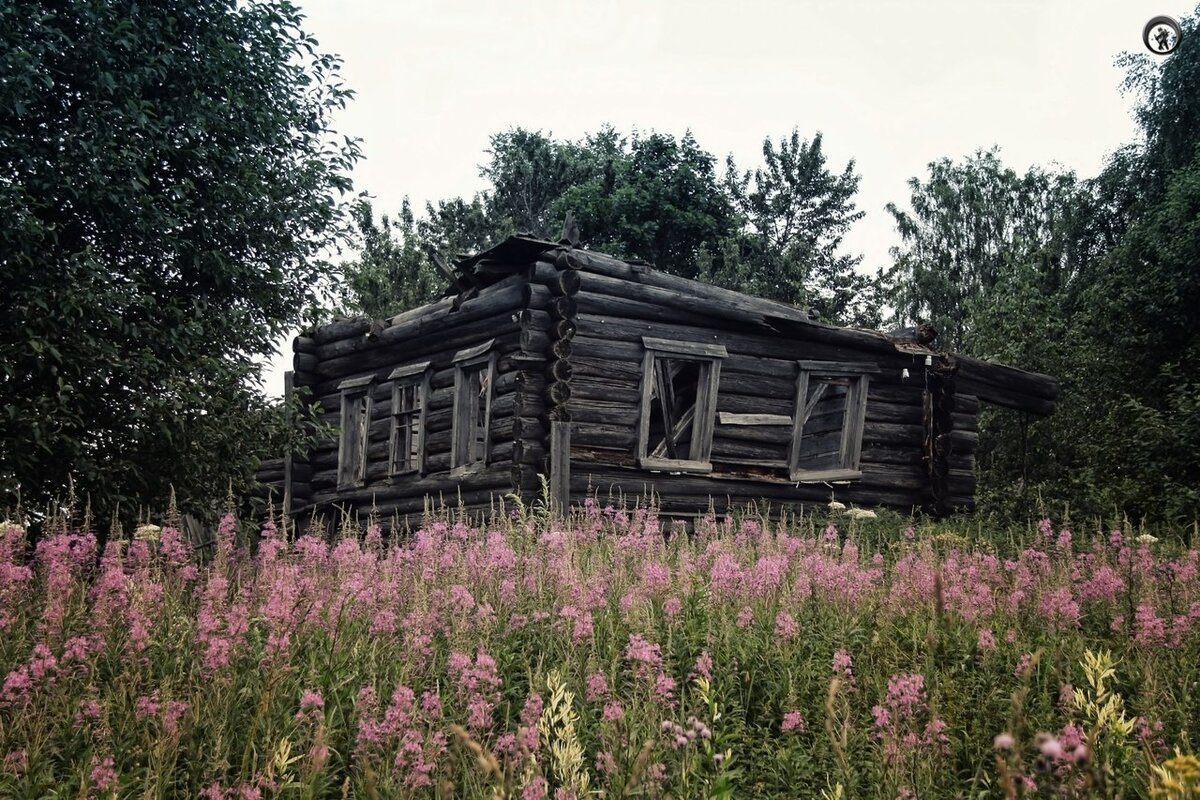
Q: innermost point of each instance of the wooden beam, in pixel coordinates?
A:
(560, 467)
(729, 418)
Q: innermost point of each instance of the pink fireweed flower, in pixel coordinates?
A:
(704, 666)
(312, 707)
(1059, 610)
(1149, 629)
(786, 626)
(103, 775)
(898, 721)
(146, 706)
(1023, 665)
(583, 629)
(793, 721)
(536, 789)
(605, 763)
(843, 667)
(431, 705)
(175, 712)
(672, 607)
(646, 656)
(596, 687)
(1050, 747)
(1003, 741)
(613, 712)
(89, 711)
(664, 686)
(1070, 737)
(987, 640)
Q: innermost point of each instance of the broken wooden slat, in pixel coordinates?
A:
(729, 418)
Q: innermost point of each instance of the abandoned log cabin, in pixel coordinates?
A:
(609, 376)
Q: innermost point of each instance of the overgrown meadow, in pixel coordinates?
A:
(607, 656)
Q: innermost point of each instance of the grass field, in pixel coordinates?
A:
(819, 657)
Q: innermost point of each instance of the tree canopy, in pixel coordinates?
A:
(775, 231)
(169, 181)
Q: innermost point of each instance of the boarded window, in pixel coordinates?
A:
(473, 377)
(827, 428)
(679, 388)
(410, 388)
(355, 431)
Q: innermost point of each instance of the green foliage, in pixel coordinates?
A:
(392, 272)
(652, 197)
(168, 182)
(594, 653)
(775, 232)
(1092, 281)
(973, 225)
(795, 213)
(528, 171)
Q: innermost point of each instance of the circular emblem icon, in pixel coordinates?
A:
(1161, 35)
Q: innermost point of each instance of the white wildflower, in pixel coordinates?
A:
(148, 533)
(860, 514)
(1145, 538)
(835, 507)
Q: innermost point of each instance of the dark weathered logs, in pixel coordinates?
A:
(340, 329)
(587, 389)
(443, 342)
(1006, 386)
(563, 307)
(410, 487)
(624, 306)
(506, 296)
(564, 329)
(305, 362)
(304, 344)
(560, 371)
(559, 393)
(560, 282)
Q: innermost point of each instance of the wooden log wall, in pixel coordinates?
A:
(515, 315)
(618, 306)
(563, 278)
(567, 332)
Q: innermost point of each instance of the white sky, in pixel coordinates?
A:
(892, 84)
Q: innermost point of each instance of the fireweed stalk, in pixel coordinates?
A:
(308, 667)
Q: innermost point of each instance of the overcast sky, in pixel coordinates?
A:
(892, 85)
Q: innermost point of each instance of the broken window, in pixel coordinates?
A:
(679, 389)
(355, 431)
(827, 428)
(406, 448)
(473, 376)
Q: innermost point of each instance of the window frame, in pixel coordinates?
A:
(481, 358)
(357, 404)
(704, 415)
(415, 377)
(858, 376)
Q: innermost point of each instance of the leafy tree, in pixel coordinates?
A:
(970, 222)
(458, 227)
(775, 232)
(168, 181)
(795, 214)
(393, 272)
(528, 171)
(654, 198)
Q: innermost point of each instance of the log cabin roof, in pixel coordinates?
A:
(995, 383)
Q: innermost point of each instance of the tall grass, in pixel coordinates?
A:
(600, 656)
